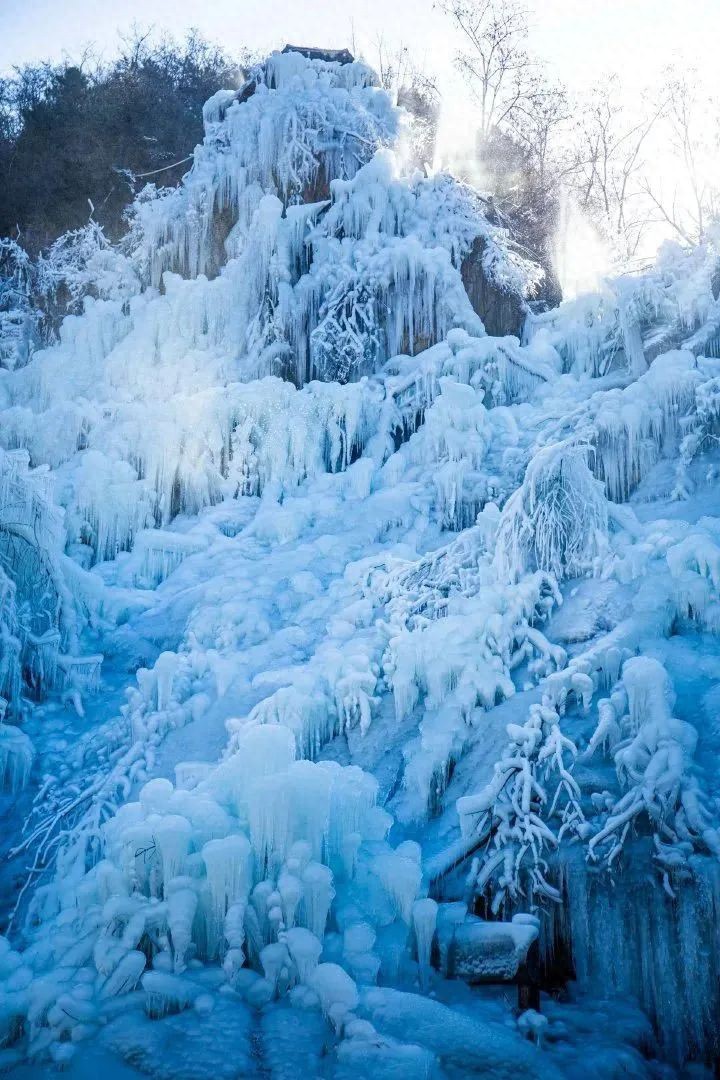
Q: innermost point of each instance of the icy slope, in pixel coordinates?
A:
(349, 559)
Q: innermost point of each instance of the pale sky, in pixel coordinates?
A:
(581, 38)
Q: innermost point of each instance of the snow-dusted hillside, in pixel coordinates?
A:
(346, 649)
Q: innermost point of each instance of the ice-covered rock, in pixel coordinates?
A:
(480, 951)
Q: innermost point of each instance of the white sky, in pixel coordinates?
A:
(581, 38)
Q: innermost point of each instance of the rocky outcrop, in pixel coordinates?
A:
(502, 310)
(327, 56)
(715, 281)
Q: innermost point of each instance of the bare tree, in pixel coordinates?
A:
(691, 200)
(392, 62)
(521, 116)
(495, 62)
(415, 90)
(539, 122)
(608, 162)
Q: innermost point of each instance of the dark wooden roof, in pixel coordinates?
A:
(336, 56)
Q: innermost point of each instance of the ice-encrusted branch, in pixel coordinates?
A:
(655, 767)
(530, 804)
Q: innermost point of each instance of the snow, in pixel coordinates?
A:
(336, 990)
(328, 621)
(458, 1040)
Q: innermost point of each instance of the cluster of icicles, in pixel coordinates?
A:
(241, 864)
(136, 443)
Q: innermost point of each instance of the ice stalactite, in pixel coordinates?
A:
(305, 949)
(10, 645)
(401, 874)
(318, 894)
(228, 865)
(44, 597)
(632, 426)
(701, 430)
(172, 835)
(424, 914)
(583, 331)
(182, 906)
(16, 758)
(165, 994)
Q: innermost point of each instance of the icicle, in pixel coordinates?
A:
(228, 862)
(172, 834)
(318, 894)
(291, 891)
(182, 905)
(275, 960)
(258, 752)
(16, 758)
(305, 949)
(424, 918)
(401, 876)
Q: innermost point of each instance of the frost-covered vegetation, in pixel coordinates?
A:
(77, 137)
(348, 653)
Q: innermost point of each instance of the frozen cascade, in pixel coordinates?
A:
(367, 574)
(662, 950)
(291, 282)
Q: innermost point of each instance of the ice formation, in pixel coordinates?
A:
(16, 757)
(421, 621)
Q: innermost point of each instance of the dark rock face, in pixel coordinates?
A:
(247, 90)
(549, 294)
(330, 56)
(715, 282)
(220, 228)
(318, 189)
(502, 311)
